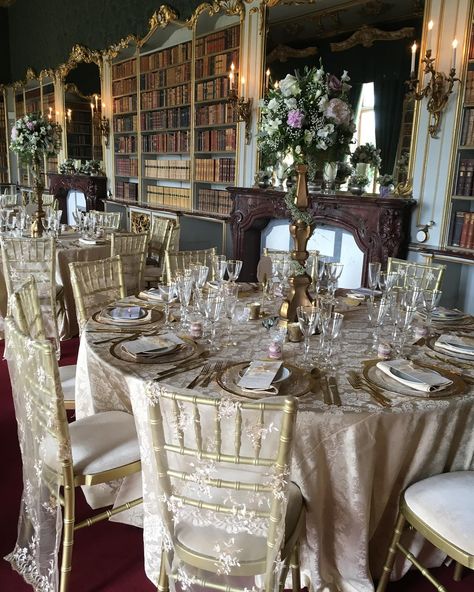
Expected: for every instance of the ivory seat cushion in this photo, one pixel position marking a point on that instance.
(201, 539)
(446, 504)
(103, 441)
(67, 375)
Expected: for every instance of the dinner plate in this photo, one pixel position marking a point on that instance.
(283, 374)
(430, 342)
(182, 352)
(155, 317)
(377, 378)
(117, 313)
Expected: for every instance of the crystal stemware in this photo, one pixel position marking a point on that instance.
(405, 320)
(199, 274)
(168, 296)
(233, 269)
(431, 300)
(374, 275)
(184, 287)
(214, 304)
(219, 265)
(231, 297)
(333, 330)
(308, 317)
(377, 311)
(333, 270)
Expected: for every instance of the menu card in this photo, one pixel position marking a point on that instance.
(259, 376)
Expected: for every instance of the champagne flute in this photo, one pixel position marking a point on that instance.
(405, 320)
(233, 269)
(431, 300)
(231, 297)
(184, 287)
(333, 330)
(168, 295)
(214, 304)
(308, 317)
(374, 276)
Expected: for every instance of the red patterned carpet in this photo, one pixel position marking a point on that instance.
(108, 557)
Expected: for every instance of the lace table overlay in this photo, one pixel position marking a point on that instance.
(351, 462)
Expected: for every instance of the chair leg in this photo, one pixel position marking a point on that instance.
(295, 568)
(458, 572)
(163, 581)
(68, 536)
(392, 551)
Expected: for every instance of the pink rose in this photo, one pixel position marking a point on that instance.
(339, 111)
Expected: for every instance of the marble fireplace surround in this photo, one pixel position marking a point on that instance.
(380, 226)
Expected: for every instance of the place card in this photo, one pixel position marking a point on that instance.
(260, 375)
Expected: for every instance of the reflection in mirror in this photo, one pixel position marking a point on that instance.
(82, 112)
(371, 40)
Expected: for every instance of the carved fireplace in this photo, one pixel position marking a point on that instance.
(380, 226)
(94, 189)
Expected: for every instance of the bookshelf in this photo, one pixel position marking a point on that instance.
(79, 128)
(49, 110)
(461, 218)
(4, 141)
(20, 110)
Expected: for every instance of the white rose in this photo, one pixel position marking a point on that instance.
(289, 86)
(272, 105)
(308, 137)
(291, 103)
(298, 149)
(345, 77)
(318, 74)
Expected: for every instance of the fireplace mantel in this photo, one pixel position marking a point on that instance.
(380, 226)
(94, 189)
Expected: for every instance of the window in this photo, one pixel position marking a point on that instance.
(365, 117)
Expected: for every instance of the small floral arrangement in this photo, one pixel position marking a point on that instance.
(68, 167)
(34, 137)
(306, 115)
(368, 154)
(358, 181)
(385, 180)
(74, 167)
(92, 167)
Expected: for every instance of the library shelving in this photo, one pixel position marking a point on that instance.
(4, 141)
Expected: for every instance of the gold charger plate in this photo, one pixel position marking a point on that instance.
(379, 379)
(187, 350)
(430, 342)
(299, 382)
(155, 316)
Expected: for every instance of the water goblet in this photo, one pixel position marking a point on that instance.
(406, 314)
(168, 295)
(431, 300)
(199, 274)
(233, 269)
(308, 317)
(231, 297)
(219, 267)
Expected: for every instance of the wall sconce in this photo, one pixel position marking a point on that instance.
(438, 87)
(241, 105)
(100, 121)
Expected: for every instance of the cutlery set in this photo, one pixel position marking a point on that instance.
(359, 383)
(183, 367)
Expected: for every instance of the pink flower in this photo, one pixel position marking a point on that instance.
(334, 83)
(30, 125)
(339, 111)
(295, 118)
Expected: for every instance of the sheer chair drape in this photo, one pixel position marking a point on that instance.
(228, 510)
(96, 284)
(177, 261)
(132, 249)
(109, 221)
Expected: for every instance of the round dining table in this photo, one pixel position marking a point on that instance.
(351, 458)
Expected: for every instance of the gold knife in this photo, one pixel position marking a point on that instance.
(334, 390)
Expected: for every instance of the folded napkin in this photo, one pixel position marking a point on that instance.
(456, 344)
(259, 376)
(92, 241)
(151, 294)
(125, 315)
(419, 379)
(154, 345)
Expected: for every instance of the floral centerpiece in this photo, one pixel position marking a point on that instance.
(33, 137)
(386, 183)
(75, 167)
(366, 155)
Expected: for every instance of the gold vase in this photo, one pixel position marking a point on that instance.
(38, 188)
(300, 231)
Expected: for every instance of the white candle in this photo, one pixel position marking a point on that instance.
(231, 80)
(242, 87)
(413, 55)
(428, 40)
(267, 78)
(96, 99)
(455, 44)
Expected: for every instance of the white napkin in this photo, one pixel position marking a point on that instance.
(259, 376)
(151, 294)
(264, 269)
(419, 379)
(152, 345)
(456, 344)
(92, 241)
(125, 315)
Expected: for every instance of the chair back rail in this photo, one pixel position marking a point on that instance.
(429, 276)
(132, 249)
(177, 261)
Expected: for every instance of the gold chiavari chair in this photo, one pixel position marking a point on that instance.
(177, 261)
(175, 233)
(223, 467)
(132, 249)
(109, 221)
(26, 312)
(57, 457)
(9, 200)
(426, 276)
(95, 285)
(441, 509)
(26, 257)
(159, 243)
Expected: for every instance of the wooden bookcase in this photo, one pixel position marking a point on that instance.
(175, 133)
(461, 222)
(20, 110)
(49, 110)
(4, 142)
(78, 129)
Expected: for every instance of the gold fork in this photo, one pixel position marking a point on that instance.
(357, 382)
(217, 368)
(204, 370)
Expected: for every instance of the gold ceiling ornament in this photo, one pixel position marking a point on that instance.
(78, 55)
(366, 36)
(281, 53)
(72, 88)
(404, 189)
(229, 7)
(113, 50)
(160, 19)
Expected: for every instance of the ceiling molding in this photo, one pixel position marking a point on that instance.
(366, 36)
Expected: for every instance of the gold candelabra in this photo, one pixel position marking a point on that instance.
(100, 121)
(243, 110)
(437, 89)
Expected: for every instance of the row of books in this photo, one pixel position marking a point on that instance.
(125, 104)
(463, 230)
(215, 114)
(469, 92)
(167, 118)
(174, 197)
(217, 64)
(166, 57)
(126, 190)
(79, 139)
(79, 128)
(125, 123)
(217, 140)
(212, 89)
(218, 41)
(467, 132)
(167, 169)
(215, 170)
(126, 167)
(128, 68)
(464, 180)
(124, 86)
(168, 77)
(166, 97)
(214, 200)
(125, 144)
(75, 151)
(167, 142)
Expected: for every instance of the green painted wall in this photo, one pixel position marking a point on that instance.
(4, 47)
(42, 32)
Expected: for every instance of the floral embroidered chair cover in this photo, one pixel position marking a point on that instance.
(177, 261)
(427, 277)
(95, 285)
(26, 257)
(132, 249)
(230, 516)
(108, 221)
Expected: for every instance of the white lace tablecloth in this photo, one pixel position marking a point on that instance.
(351, 462)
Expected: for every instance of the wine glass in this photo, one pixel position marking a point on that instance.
(333, 330)
(333, 270)
(308, 317)
(374, 276)
(231, 297)
(219, 264)
(233, 269)
(168, 295)
(405, 320)
(214, 304)
(431, 300)
(184, 287)
(199, 274)
(377, 311)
